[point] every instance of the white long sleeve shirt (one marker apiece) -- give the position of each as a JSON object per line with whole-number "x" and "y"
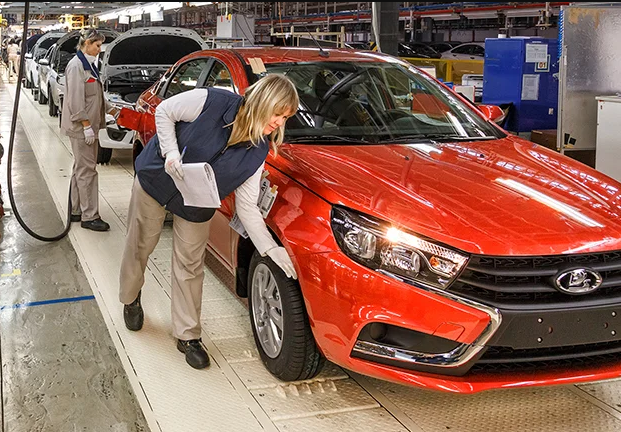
{"x": 186, "y": 107}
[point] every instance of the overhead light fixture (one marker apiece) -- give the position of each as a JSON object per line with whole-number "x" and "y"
{"x": 480, "y": 14}
{"x": 108, "y": 17}
{"x": 443, "y": 16}
{"x": 171, "y": 5}
{"x": 200, "y": 3}
{"x": 522, "y": 12}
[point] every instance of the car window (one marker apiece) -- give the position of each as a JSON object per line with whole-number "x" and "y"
{"x": 462, "y": 49}
{"x": 478, "y": 50}
{"x": 186, "y": 77}
{"x": 220, "y": 77}
{"x": 376, "y": 102}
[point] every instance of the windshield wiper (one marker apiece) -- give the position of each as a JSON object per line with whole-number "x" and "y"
{"x": 325, "y": 138}
{"x": 436, "y": 138}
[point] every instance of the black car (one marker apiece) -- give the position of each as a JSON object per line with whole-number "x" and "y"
{"x": 418, "y": 50}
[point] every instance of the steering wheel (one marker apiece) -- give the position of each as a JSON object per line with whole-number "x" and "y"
{"x": 341, "y": 117}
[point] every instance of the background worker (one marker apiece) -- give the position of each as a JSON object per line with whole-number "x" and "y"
{"x": 83, "y": 115}
{"x": 231, "y": 133}
{"x": 13, "y": 56}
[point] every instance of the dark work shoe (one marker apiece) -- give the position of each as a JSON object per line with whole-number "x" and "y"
{"x": 133, "y": 315}
{"x": 195, "y": 353}
{"x": 96, "y": 225}
{"x": 76, "y": 217}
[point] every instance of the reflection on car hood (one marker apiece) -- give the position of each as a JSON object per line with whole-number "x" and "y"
{"x": 500, "y": 197}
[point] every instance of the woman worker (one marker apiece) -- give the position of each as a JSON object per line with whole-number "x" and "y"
{"x": 83, "y": 115}
{"x": 231, "y": 133}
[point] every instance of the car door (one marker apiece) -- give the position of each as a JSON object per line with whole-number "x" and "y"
{"x": 478, "y": 52}
{"x": 462, "y": 52}
{"x": 52, "y": 78}
{"x": 221, "y": 236}
{"x": 183, "y": 77}
{"x": 44, "y": 69}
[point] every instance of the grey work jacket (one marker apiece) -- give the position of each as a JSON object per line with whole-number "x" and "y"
{"x": 83, "y": 100}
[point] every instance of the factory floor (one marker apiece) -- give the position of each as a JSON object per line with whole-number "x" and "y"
{"x": 69, "y": 364}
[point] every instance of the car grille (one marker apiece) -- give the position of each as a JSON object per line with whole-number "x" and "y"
{"x": 528, "y": 281}
{"x": 507, "y": 359}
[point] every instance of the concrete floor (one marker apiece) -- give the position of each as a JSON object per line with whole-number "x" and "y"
{"x": 82, "y": 386}
{"x": 60, "y": 369}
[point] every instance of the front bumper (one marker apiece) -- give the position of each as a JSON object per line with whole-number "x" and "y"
{"x": 344, "y": 298}
{"x": 115, "y": 137}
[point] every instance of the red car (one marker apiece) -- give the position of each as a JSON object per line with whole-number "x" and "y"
{"x": 432, "y": 248}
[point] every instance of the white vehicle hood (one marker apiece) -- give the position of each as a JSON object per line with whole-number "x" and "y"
{"x": 149, "y": 48}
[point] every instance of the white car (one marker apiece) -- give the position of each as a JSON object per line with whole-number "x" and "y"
{"x": 131, "y": 64}
{"x": 466, "y": 51}
{"x": 32, "y": 58}
{"x": 43, "y": 70}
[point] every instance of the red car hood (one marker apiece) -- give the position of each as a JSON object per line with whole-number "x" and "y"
{"x": 501, "y": 197}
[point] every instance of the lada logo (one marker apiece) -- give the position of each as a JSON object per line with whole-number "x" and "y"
{"x": 578, "y": 281}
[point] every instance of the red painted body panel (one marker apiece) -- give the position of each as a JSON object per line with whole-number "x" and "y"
{"x": 452, "y": 193}
{"x": 502, "y": 197}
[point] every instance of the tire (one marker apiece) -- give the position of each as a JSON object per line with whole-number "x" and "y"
{"x": 52, "y": 108}
{"x": 103, "y": 154}
{"x": 27, "y": 83}
{"x": 42, "y": 98}
{"x": 298, "y": 357}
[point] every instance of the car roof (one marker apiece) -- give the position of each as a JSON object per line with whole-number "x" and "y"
{"x": 297, "y": 54}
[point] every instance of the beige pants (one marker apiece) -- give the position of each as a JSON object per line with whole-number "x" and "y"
{"x": 14, "y": 64}
{"x": 145, "y": 221}
{"x": 84, "y": 182}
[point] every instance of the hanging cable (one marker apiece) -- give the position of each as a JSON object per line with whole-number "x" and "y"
{"x": 20, "y": 74}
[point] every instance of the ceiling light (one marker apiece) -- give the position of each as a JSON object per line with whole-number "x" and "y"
{"x": 108, "y": 17}
{"x": 522, "y": 12}
{"x": 443, "y": 16}
{"x": 171, "y": 5}
{"x": 480, "y": 14}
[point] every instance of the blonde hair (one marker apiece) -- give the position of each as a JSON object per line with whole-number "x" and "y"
{"x": 272, "y": 95}
{"x": 89, "y": 34}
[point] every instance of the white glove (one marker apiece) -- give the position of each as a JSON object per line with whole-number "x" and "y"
{"x": 172, "y": 166}
{"x": 281, "y": 258}
{"x": 89, "y": 135}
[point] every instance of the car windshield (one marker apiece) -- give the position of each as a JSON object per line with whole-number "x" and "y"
{"x": 374, "y": 103}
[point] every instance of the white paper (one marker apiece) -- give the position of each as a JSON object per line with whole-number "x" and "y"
{"x": 530, "y": 87}
{"x": 198, "y": 187}
{"x": 267, "y": 197}
{"x": 536, "y": 53}
{"x": 238, "y": 226}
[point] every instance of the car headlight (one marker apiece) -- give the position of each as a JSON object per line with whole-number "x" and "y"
{"x": 379, "y": 246}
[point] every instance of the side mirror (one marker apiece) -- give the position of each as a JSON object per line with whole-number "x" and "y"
{"x": 44, "y": 62}
{"x": 28, "y": 55}
{"x": 492, "y": 112}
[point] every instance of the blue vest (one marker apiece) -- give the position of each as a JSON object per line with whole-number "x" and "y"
{"x": 205, "y": 139}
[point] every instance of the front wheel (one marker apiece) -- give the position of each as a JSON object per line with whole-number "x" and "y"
{"x": 52, "y": 108}
{"x": 103, "y": 154}
{"x": 280, "y": 324}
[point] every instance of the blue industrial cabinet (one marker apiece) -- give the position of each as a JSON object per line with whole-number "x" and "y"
{"x": 523, "y": 72}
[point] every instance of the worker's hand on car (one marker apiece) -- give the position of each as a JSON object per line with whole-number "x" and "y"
{"x": 281, "y": 258}
{"x": 89, "y": 135}
{"x": 172, "y": 166}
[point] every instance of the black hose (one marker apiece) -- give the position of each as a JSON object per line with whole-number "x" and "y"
{"x": 20, "y": 74}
